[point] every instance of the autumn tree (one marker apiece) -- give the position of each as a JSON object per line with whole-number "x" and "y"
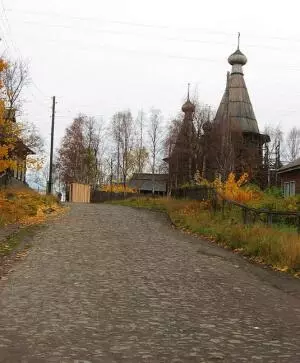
{"x": 155, "y": 139}
{"x": 93, "y": 150}
{"x": 126, "y": 144}
{"x": 123, "y": 133}
{"x": 292, "y": 144}
{"x": 140, "y": 150}
{"x": 170, "y": 139}
{"x": 15, "y": 78}
{"x": 78, "y": 155}
{"x": 9, "y": 131}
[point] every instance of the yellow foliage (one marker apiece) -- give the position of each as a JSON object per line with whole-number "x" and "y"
{"x": 25, "y": 206}
{"x": 117, "y": 188}
{"x": 35, "y": 162}
{"x": 232, "y": 188}
{"x": 9, "y": 132}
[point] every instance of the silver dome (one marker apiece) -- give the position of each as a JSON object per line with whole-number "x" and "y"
{"x": 237, "y": 58}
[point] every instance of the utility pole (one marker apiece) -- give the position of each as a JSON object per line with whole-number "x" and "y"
{"x": 50, "y": 181}
{"x": 111, "y": 177}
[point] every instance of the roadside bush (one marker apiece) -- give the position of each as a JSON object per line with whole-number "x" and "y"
{"x": 117, "y": 188}
{"x": 24, "y": 205}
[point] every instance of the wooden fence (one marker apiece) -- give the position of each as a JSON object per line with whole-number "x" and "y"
{"x": 79, "y": 193}
{"x": 98, "y": 196}
{"x": 251, "y": 215}
{"x": 197, "y": 193}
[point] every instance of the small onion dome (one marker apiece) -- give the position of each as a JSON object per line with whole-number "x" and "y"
{"x": 237, "y": 58}
{"x": 188, "y": 107}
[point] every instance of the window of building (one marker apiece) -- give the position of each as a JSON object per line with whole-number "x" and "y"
{"x": 289, "y": 188}
{"x": 292, "y": 188}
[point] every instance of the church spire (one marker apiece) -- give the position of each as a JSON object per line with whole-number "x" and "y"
{"x": 235, "y": 103}
{"x": 188, "y": 106}
{"x": 237, "y": 59}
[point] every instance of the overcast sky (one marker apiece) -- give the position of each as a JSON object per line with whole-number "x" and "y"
{"x": 99, "y": 57}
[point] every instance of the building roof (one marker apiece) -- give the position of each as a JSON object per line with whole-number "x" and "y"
{"x": 143, "y": 181}
{"x": 235, "y": 106}
{"x": 294, "y": 165}
{"x": 188, "y": 106}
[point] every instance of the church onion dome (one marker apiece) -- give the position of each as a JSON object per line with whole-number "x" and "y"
{"x": 188, "y": 107}
{"x": 237, "y": 58}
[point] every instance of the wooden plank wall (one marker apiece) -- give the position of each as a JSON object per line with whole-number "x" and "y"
{"x": 80, "y": 193}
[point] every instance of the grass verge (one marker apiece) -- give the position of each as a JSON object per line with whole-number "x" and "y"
{"x": 274, "y": 247}
{"x": 25, "y": 206}
{"x": 21, "y": 212}
{"x": 12, "y": 242}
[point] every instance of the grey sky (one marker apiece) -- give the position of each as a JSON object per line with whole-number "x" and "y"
{"x": 98, "y": 56}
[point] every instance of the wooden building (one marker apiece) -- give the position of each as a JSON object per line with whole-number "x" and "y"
{"x": 233, "y": 142}
{"x": 182, "y": 161}
{"x": 146, "y": 183}
{"x": 290, "y": 178}
{"x": 20, "y": 153}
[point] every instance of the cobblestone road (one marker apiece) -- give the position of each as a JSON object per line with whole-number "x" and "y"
{"x": 114, "y": 284}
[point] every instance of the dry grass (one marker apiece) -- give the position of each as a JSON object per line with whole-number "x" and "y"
{"x": 25, "y": 206}
{"x": 280, "y": 249}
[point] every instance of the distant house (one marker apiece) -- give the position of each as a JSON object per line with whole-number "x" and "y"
{"x": 290, "y": 178}
{"x": 20, "y": 153}
{"x": 143, "y": 183}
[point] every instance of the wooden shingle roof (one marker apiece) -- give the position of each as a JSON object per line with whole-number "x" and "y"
{"x": 294, "y": 165}
{"x": 235, "y": 107}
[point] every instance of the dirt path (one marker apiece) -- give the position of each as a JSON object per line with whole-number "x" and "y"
{"x": 114, "y": 284}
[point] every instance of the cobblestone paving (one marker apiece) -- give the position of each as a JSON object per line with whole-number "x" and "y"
{"x": 114, "y": 284}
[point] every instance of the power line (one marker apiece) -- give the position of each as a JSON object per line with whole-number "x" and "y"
{"x": 17, "y": 49}
{"x": 4, "y": 16}
{"x": 160, "y": 37}
{"x": 3, "y": 37}
{"x": 152, "y": 53}
{"x": 151, "y": 26}
{"x": 119, "y": 32}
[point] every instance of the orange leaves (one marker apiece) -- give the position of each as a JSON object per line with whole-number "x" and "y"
{"x": 35, "y": 163}
{"x": 232, "y": 188}
{"x": 9, "y": 132}
{"x": 235, "y": 189}
{"x": 3, "y": 151}
{"x": 25, "y": 206}
{"x": 3, "y": 65}
{"x": 117, "y": 188}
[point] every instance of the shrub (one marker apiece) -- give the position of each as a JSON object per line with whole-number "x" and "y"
{"x": 117, "y": 188}
{"x": 24, "y": 205}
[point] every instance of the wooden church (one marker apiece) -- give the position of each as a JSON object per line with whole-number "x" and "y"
{"x": 232, "y": 142}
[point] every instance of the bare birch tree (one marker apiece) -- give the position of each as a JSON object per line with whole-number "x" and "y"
{"x": 116, "y": 136}
{"x": 292, "y": 144}
{"x": 125, "y": 142}
{"x": 141, "y": 150}
{"x": 155, "y": 136}
{"x": 15, "y": 78}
